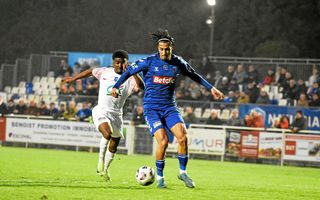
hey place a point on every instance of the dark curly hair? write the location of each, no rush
(120, 54)
(162, 35)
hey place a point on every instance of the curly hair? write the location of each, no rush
(162, 35)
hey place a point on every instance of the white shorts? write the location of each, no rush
(100, 116)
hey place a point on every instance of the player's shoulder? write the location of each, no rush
(178, 60)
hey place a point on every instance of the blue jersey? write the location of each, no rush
(160, 77)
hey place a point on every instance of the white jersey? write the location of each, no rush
(107, 78)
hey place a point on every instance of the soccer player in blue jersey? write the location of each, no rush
(160, 72)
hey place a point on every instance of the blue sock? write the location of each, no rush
(160, 166)
(183, 161)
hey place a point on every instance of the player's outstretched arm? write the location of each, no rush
(139, 81)
(81, 75)
(217, 94)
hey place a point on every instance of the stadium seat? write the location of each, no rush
(283, 102)
(206, 113)
(22, 90)
(22, 84)
(51, 80)
(198, 112)
(44, 79)
(224, 114)
(7, 89)
(15, 90)
(35, 79)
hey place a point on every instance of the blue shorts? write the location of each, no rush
(162, 117)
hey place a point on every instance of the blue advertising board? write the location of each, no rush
(274, 112)
(97, 59)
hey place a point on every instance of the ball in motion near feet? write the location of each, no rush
(145, 175)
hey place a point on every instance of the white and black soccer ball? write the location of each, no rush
(145, 175)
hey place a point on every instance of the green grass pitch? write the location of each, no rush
(58, 174)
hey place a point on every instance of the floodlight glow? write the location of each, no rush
(211, 2)
(209, 21)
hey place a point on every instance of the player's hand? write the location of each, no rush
(125, 65)
(67, 79)
(114, 92)
(217, 94)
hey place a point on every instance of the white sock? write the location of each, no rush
(182, 171)
(102, 148)
(159, 177)
(108, 159)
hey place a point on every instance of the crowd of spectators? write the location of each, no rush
(240, 84)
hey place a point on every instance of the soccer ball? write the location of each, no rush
(145, 175)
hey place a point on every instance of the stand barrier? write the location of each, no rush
(223, 141)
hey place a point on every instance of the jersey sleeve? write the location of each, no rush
(132, 85)
(132, 69)
(187, 70)
(96, 72)
(138, 66)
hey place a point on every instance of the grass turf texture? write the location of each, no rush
(55, 174)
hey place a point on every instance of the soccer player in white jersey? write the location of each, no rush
(107, 115)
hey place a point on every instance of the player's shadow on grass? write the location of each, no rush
(66, 185)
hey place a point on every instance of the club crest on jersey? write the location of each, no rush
(165, 67)
(163, 80)
(174, 69)
(134, 65)
(116, 78)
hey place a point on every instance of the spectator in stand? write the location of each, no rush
(314, 89)
(253, 92)
(240, 75)
(194, 90)
(282, 122)
(10, 106)
(79, 87)
(277, 74)
(61, 111)
(315, 75)
(254, 120)
(281, 79)
(3, 107)
(291, 93)
(43, 109)
(32, 109)
(20, 108)
(230, 98)
(84, 113)
(137, 117)
(288, 78)
(76, 68)
(53, 111)
(253, 75)
(243, 98)
(182, 86)
(63, 68)
(303, 100)
(269, 79)
(315, 101)
(218, 79)
(71, 111)
(205, 94)
(263, 98)
(301, 87)
(299, 123)
(230, 72)
(92, 86)
(224, 87)
(214, 119)
(233, 85)
(235, 119)
(190, 117)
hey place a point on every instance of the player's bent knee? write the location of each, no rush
(163, 143)
(183, 140)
